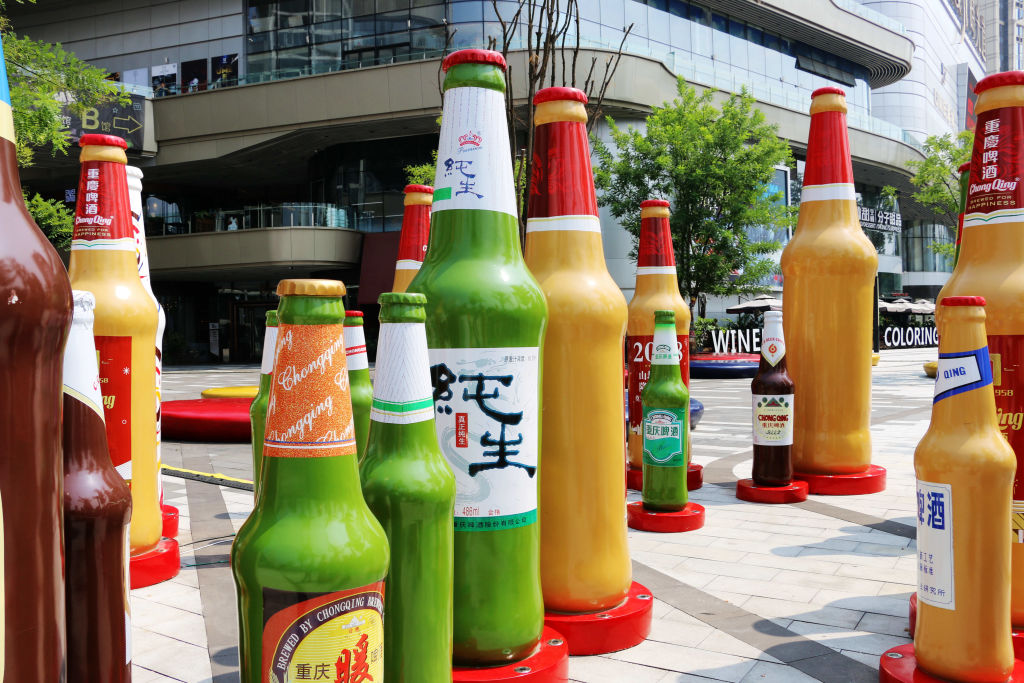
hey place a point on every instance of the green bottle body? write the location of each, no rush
(666, 423)
(258, 409)
(311, 535)
(358, 378)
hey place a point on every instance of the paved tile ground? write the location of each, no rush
(813, 591)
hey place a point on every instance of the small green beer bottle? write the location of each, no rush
(358, 377)
(258, 409)
(666, 406)
(410, 488)
(485, 323)
(309, 563)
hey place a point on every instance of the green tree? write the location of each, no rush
(714, 166)
(53, 218)
(937, 179)
(422, 174)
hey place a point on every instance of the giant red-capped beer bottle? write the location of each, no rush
(991, 254)
(412, 246)
(657, 288)
(584, 560)
(828, 299)
(103, 262)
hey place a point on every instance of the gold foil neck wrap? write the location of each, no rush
(103, 153)
(311, 288)
(828, 102)
(654, 212)
(418, 199)
(559, 110)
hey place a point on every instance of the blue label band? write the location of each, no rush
(962, 371)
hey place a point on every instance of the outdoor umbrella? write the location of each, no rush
(765, 302)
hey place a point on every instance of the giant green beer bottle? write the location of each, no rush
(358, 377)
(258, 409)
(485, 323)
(410, 488)
(310, 561)
(666, 406)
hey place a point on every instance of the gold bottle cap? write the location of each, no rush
(311, 288)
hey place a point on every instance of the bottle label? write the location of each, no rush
(665, 437)
(412, 246)
(773, 349)
(102, 215)
(474, 167)
(639, 349)
(935, 584)
(334, 637)
(655, 255)
(402, 393)
(773, 419)
(309, 411)
(563, 224)
(81, 378)
(995, 193)
(269, 346)
(355, 348)
(1007, 356)
(960, 372)
(487, 419)
(115, 371)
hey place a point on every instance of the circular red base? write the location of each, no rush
(155, 566)
(222, 420)
(170, 515)
(871, 480)
(899, 665)
(796, 492)
(548, 664)
(689, 518)
(694, 477)
(618, 628)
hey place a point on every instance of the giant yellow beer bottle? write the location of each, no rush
(829, 268)
(657, 288)
(991, 253)
(412, 246)
(103, 262)
(965, 472)
(584, 559)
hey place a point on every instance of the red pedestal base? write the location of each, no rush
(170, 515)
(155, 566)
(872, 480)
(548, 664)
(689, 518)
(794, 493)
(618, 628)
(1018, 636)
(694, 477)
(899, 665)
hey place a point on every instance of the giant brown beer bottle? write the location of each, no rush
(35, 314)
(989, 265)
(772, 391)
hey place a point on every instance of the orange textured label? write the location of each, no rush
(309, 412)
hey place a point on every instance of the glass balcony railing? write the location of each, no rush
(256, 217)
(874, 16)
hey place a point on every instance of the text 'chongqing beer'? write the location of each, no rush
(97, 508)
(485, 324)
(772, 399)
(666, 422)
(584, 557)
(411, 490)
(657, 287)
(829, 335)
(991, 253)
(358, 377)
(35, 314)
(965, 473)
(310, 561)
(258, 409)
(103, 262)
(412, 245)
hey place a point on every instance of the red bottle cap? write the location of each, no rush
(653, 202)
(963, 301)
(558, 94)
(996, 80)
(828, 91)
(418, 188)
(353, 314)
(964, 167)
(99, 139)
(473, 57)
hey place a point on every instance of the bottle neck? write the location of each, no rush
(773, 346)
(402, 392)
(828, 193)
(103, 226)
(269, 346)
(81, 374)
(412, 246)
(355, 348)
(294, 483)
(665, 356)
(963, 396)
(562, 180)
(10, 184)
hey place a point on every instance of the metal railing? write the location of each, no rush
(253, 217)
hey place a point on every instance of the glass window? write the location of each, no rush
(292, 37)
(357, 44)
(259, 63)
(659, 28)
(613, 13)
(467, 11)
(359, 26)
(357, 8)
(397, 38)
(468, 35)
(700, 39)
(737, 52)
(296, 60)
(428, 38)
(699, 15)
(261, 15)
(680, 33)
(327, 32)
(506, 10)
(589, 10)
(326, 57)
(720, 46)
(260, 42)
(292, 13)
(427, 16)
(326, 10)
(393, 21)
(392, 5)
(719, 23)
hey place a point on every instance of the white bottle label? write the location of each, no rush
(962, 371)
(401, 389)
(773, 348)
(355, 348)
(486, 414)
(773, 419)
(81, 374)
(935, 584)
(269, 345)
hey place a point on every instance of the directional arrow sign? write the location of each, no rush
(126, 123)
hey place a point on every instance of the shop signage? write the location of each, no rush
(736, 341)
(876, 219)
(909, 337)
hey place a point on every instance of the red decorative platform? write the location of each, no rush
(548, 664)
(170, 515)
(224, 420)
(155, 566)
(1018, 636)
(694, 477)
(899, 665)
(618, 628)
(796, 492)
(871, 480)
(688, 519)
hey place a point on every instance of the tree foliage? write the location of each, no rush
(714, 166)
(54, 218)
(422, 174)
(937, 177)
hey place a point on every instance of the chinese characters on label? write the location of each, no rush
(935, 584)
(664, 433)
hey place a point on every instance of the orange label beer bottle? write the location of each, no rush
(657, 288)
(584, 560)
(991, 253)
(965, 472)
(103, 262)
(412, 246)
(829, 268)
